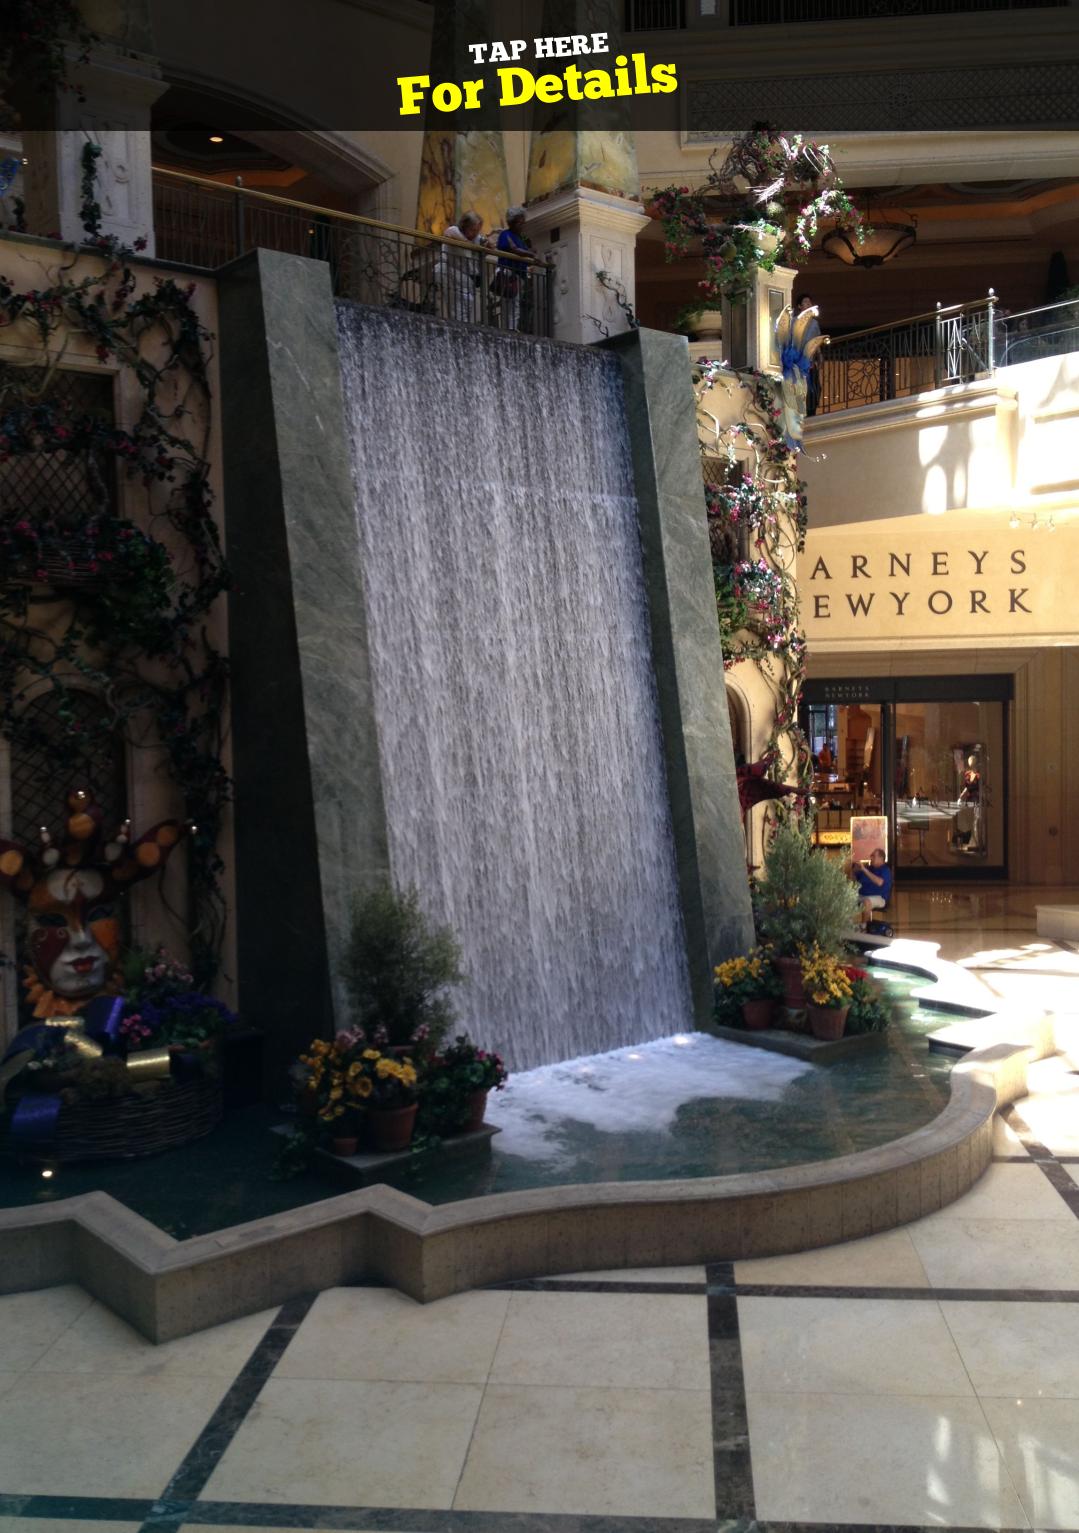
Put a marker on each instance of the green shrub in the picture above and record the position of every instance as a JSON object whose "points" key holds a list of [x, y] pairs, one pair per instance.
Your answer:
{"points": [[803, 897], [398, 967]]}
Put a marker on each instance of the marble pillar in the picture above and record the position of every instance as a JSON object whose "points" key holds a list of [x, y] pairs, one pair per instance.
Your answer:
{"points": [[310, 821], [590, 237], [687, 655], [119, 88], [749, 328]]}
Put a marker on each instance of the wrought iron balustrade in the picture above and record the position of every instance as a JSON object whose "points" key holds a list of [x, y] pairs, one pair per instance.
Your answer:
{"points": [[952, 345], [201, 224], [655, 15], [763, 13]]}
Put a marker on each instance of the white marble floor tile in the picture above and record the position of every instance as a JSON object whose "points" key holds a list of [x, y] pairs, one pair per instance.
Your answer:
{"points": [[887, 1260], [1073, 1172], [1053, 1116], [378, 1333], [1008, 1192], [1005, 1140], [110, 1435], [31, 1322], [836, 1459], [1018, 1350], [636, 1275], [1039, 1439], [998, 1253], [612, 1452], [100, 1342], [640, 1341], [835, 1346], [344, 1442]]}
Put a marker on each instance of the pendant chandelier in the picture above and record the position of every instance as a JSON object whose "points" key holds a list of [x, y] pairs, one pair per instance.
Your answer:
{"points": [[883, 242]]}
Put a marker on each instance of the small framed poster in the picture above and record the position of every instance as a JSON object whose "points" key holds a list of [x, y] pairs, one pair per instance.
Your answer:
{"points": [[868, 833]]}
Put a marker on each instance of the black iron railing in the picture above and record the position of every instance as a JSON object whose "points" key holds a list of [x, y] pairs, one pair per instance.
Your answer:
{"points": [[764, 13], [201, 224], [952, 345], [655, 15]]}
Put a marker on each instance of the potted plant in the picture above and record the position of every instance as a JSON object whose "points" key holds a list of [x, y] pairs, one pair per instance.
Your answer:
{"points": [[828, 994], [751, 988], [454, 1091], [398, 967], [333, 1091], [701, 320], [803, 899], [869, 1010], [389, 1086]]}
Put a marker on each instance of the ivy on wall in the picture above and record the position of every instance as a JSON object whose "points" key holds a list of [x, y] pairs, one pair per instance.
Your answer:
{"points": [[760, 507], [90, 599]]}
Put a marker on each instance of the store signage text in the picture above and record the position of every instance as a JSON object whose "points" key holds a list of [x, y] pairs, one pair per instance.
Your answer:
{"points": [[934, 565]]}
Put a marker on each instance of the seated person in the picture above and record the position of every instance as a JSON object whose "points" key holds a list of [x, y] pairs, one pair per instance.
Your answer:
{"points": [[874, 880]]}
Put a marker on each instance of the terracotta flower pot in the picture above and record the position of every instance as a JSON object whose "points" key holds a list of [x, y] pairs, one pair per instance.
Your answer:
{"points": [[790, 972], [477, 1110], [827, 1022], [345, 1146], [391, 1128], [757, 1014]]}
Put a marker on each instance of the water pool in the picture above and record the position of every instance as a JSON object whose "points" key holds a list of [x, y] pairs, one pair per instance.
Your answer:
{"points": [[698, 1106]]}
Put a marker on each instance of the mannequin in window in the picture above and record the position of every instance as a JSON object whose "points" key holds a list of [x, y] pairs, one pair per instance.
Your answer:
{"points": [[971, 794]]}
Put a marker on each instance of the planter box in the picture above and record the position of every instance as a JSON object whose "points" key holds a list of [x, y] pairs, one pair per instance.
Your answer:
{"points": [[366, 1168], [803, 1045]]}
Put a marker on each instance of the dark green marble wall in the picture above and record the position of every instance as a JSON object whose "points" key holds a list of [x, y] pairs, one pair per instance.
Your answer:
{"points": [[309, 820], [688, 656]]}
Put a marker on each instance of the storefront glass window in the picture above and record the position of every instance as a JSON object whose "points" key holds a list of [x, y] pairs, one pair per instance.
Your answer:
{"points": [[948, 778]]}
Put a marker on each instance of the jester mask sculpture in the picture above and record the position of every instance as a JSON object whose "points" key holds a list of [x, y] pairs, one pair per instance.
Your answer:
{"points": [[798, 340], [70, 891]]}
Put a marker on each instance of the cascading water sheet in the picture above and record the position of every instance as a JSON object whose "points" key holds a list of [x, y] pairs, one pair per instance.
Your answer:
{"points": [[514, 694]]}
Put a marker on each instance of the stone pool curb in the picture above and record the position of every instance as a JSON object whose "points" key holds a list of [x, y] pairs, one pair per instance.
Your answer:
{"points": [[167, 1288]]}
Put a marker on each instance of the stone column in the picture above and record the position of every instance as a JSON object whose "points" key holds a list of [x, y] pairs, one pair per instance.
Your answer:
{"points": [[119, 90], [586, 232], [749, 329]]}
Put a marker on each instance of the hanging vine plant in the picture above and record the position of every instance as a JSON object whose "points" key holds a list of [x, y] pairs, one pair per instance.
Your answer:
{"points": [[34, 49], [90, 598], [756, 597]]}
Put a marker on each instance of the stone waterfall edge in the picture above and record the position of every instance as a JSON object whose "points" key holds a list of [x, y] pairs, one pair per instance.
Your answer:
{"points": [[167, 1288]]}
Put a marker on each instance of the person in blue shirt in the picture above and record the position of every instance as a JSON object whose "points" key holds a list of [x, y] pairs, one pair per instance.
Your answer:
{"points": [[511, 275], [874, 881]]}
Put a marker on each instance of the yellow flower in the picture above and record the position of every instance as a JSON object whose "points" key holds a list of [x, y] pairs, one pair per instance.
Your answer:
{"points": [[371, 1054], [364, 1086]]}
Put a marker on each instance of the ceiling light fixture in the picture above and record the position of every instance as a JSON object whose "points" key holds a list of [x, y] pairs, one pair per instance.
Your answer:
{"points": [[883, 242], [216, 138]]}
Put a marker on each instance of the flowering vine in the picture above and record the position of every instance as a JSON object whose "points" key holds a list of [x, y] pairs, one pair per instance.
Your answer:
{"points": [[757, 517], [90, 600]]}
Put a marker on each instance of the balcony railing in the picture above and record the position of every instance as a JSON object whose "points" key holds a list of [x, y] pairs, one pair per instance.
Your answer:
{"points": [[655, 15], [952, 345], [1050, 331], [770, 13], [201, 224]]}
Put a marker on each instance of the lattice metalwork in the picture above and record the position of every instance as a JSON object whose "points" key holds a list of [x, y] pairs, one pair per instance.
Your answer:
{"points": [[55, 485], [80, 752], [655, 15], [751, 13], [896, 361]]}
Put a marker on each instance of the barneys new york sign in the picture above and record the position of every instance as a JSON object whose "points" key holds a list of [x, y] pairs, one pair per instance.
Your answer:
{"points": [[882, 585]]}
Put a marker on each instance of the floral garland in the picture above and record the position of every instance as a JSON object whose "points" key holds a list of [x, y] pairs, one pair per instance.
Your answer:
{"points": [[135, 608], [771, 183], [756, 597], [33, 49]]}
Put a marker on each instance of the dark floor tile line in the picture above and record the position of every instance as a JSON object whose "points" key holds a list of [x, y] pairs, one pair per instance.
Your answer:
{"points": [[403, 1520], [1051, 1166], [585, 1285], [732, 1464], [80, 1508], [924, 1295], [212, 1442]]}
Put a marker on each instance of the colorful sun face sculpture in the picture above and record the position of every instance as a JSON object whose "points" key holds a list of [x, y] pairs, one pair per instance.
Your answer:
{"points": [[71, 892]]}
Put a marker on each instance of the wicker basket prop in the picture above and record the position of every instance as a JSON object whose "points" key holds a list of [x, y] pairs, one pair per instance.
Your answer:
{"points": [[125, 1128]]}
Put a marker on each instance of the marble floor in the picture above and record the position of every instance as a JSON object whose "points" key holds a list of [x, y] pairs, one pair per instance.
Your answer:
{"points": [[927, 1378]]}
